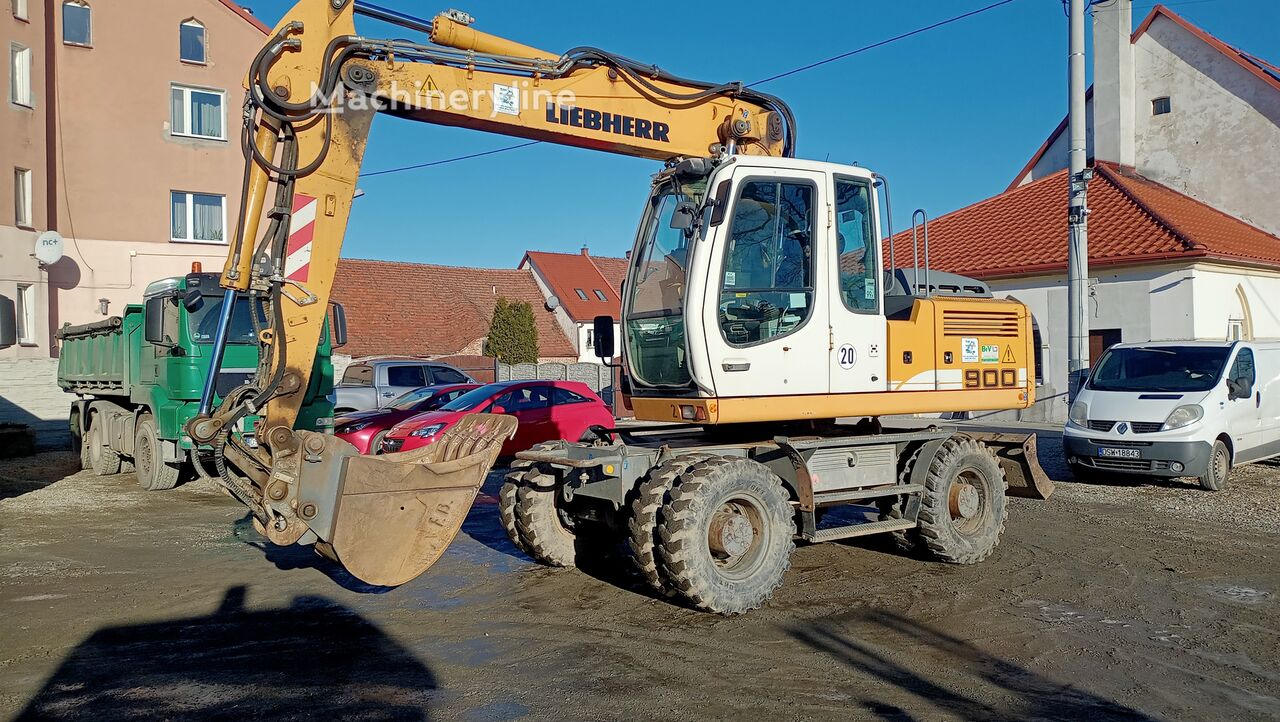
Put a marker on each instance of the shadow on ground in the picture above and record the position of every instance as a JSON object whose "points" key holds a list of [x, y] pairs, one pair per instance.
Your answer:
{"points": [[848, 639], [314, 659], [26, 474], [297, 556]]}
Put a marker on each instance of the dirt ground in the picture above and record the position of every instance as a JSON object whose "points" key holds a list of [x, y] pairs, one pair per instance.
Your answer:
{"points": [[1106, 602]]}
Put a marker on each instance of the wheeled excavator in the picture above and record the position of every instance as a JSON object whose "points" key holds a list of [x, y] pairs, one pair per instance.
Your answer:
{"points": [[757, 311]]}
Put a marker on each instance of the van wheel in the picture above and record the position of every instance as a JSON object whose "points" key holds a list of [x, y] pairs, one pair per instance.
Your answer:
{"points": [[102, 458], [153, 473], [1215, 476]]}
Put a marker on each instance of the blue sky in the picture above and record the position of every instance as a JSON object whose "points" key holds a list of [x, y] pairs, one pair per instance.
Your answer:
{"points": [[949, 115]]}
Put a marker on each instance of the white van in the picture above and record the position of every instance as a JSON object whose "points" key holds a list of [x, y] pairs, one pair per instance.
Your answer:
{"points": [[1177, 408]]}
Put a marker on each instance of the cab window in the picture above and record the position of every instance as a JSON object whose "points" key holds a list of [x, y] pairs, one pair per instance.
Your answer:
{"points": [[1242, 375], [856, 246], [405, 376], [446, 375], [358, 375], [525, 399], [766, 289]]}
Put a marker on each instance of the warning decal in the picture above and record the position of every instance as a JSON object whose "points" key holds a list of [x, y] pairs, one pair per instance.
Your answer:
{"points": [[1008, 355]]}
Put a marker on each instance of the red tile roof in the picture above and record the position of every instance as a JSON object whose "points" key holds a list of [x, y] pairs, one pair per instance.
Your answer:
{"points": [[1132, 220], [1255, 65], [248, 16], [568, 273], [426, 310]]}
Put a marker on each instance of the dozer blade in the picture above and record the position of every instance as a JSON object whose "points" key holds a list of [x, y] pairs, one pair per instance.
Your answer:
{"points": [[1017, 454], [388, 518]]}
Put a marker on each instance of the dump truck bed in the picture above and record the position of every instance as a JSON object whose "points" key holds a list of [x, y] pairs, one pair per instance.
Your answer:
{"points": [[95, 358]]}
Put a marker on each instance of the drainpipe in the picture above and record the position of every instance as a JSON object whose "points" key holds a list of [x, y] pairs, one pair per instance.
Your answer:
{"points": [[51, 114], [1077, 212]]}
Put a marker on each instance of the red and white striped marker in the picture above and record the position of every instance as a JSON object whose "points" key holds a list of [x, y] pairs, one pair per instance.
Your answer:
{"points": [[302, 229]]}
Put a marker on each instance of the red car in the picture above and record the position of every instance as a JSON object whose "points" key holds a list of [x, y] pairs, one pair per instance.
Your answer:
{"points": [[365, 429], [547, 410]]}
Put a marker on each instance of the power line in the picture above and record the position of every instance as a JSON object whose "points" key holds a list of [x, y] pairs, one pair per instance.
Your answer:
{"points": [[769, 79], [882, 43]]}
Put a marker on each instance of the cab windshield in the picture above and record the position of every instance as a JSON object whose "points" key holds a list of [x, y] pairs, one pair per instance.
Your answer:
{"points": [[655, 303], [474, 397], [408, 401], [1160, 368], [204, 320]]}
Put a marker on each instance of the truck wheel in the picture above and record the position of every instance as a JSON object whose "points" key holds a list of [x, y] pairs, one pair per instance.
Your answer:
{"points": [[962, 510], [102, 458], [1215, 476], [511, 484], [153, 473], [646, 511], [538, 523], [725, 536], [80, 441]]}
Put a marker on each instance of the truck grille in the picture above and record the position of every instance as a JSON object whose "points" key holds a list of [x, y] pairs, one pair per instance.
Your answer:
{"points": [[229, 379], [980, 323]]}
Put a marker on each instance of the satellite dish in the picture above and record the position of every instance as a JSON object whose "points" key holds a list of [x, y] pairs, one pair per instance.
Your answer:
{"points": [[553, 302], [48, 248]]}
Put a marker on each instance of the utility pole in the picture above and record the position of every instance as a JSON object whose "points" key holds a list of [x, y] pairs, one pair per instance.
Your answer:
{"points": [[1077, 213]]}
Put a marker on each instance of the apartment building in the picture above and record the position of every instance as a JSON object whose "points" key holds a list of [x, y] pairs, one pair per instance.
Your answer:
{"points": [[120, 131]]}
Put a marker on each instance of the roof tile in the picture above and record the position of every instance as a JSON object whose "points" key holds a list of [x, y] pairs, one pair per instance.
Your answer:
{"points": [[568, 273]]}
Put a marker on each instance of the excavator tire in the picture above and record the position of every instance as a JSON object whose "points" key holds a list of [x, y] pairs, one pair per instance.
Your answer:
{"points": [[646, 510], [102, 458], [962, 509], [725, 535], [538, 523], [507, 497]]}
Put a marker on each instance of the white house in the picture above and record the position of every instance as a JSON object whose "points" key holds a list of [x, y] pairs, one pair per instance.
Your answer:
{"points": [[1185, 146], [577, 288]]}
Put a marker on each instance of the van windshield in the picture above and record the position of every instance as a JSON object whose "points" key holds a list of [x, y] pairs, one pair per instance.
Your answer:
{"points": [[1160, 368]]}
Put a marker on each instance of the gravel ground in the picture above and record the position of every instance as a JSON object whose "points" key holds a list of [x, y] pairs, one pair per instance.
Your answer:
{"points": [[1105, 602]]}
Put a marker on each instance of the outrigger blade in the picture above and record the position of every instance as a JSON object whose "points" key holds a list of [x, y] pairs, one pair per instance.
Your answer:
{"points": [[388, 518], [1022, 470]]}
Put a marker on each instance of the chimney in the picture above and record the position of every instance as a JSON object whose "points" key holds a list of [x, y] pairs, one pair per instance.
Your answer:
{"points": [[1113, 92], [584, 250]]}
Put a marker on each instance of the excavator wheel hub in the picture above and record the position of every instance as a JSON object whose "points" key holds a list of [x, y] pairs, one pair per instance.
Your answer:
{"points": [[965, 500]]}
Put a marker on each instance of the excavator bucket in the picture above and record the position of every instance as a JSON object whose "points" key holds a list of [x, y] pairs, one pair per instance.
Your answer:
{"points": [[1017, 455], [386, 519]]}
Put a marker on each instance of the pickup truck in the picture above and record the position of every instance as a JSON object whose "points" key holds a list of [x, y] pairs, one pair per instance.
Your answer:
{"points": [[138, 377], [373, 383]]}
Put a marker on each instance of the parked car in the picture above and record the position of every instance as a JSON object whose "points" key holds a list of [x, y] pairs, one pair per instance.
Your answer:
{"points": [[366, 429], [1177, 409], [374, 383], [547, 410]]}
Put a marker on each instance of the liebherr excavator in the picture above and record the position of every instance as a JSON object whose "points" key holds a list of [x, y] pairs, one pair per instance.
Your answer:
{"points": [[756, 312]]}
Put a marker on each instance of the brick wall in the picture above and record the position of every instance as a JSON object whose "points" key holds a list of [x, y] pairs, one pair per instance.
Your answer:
{"points": [[29, 394]]}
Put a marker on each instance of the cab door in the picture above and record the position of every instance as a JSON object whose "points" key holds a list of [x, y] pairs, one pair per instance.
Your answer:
{"points": [[1242, 409], [852, 289], [764, 320]]}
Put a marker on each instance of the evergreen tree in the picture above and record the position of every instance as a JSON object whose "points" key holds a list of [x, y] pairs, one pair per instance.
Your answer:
{"points": [[513, 337]]}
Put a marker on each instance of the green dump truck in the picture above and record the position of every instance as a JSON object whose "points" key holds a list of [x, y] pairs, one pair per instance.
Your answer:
{"points": [[137, 377]]}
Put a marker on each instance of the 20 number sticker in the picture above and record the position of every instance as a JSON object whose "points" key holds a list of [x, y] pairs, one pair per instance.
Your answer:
{"points": [[848, 356]]}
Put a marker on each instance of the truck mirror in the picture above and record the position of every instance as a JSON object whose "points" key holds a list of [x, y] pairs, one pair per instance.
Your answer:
{"points": [[337, 325], [193, 300], [603, 331], [8, 323], [682, 217], [153, 322]]}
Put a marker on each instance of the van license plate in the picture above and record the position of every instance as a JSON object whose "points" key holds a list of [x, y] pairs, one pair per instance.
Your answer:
{"points": [[1120, 453]]}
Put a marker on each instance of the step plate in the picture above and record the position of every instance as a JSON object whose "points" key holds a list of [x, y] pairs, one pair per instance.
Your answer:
{"points": [[827, 498], [853, 530]]}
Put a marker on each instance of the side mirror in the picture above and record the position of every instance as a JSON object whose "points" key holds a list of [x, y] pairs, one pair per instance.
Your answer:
{"points": [[497, 410], [192, 300], [682, 217], [1238, 390], [337, 325], [8, 323], [603, 332], [153, 323]]}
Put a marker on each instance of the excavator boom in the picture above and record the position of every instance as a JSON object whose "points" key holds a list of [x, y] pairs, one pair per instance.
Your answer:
{"points": [[312, 93]]}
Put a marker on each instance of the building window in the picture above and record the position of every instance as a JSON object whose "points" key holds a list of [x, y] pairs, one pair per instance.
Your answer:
{"points": [[1160, 106], [22, 197], [591, 338], [20, 74], [26, 313], [77, 23], [600, 295], [20, 9], [197, 113], [191, 42], [581, 293], [198, 217]]}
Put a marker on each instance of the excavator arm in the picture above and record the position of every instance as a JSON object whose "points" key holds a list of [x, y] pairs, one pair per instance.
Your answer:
{"points": [[312, 93]]}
